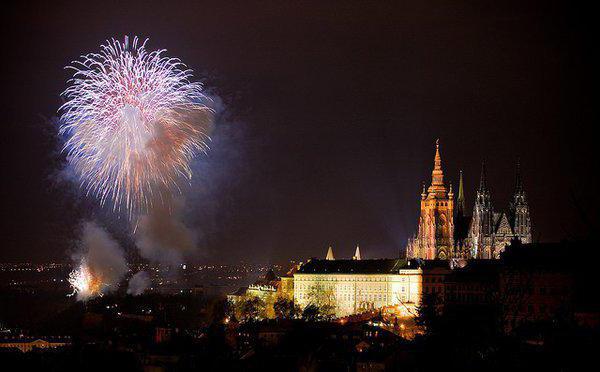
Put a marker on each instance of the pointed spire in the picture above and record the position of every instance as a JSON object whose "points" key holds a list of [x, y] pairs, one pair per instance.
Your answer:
{"points": [[437, 188], [357, 253], [518, 179], [461, 195], [438, 158], [483, 179], [437, 176], [330, 254]]}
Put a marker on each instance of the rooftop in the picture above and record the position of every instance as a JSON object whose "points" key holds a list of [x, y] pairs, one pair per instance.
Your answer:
{"points": [[380, 266]]}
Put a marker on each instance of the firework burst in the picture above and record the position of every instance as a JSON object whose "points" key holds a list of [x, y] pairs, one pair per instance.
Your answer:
{"points": [[85, 283], [133, 121]]}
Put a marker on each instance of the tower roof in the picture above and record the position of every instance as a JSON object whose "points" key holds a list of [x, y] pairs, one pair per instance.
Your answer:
{"points": [[518, 179], [461, 195], [437, 187], [330, 254], [483, 179], [357, 253]]}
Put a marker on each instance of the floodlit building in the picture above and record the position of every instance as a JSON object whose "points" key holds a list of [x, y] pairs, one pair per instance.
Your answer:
{"points": [[445, 232], [352, 286], [435, 234], [27, 344]]}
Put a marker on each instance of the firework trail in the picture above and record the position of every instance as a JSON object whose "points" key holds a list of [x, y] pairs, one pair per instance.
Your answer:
{"points": [[133, 121]]}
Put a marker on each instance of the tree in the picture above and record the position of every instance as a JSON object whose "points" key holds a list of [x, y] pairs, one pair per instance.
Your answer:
{"points": [[428, 314], [311, 313], [323, 299], [284, 308], [251, 309], [218, 310]]}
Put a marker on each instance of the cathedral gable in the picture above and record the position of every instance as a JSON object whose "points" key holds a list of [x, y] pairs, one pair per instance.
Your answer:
{"points": [[503, 227]]}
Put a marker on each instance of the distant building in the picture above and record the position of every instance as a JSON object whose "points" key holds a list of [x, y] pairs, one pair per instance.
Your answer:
{"points": [[529, 283], [267, 288], [27, 344], [446, 233]]}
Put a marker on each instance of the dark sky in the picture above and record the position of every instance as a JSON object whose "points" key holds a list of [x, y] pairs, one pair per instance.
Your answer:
{"points": [[332, 111]]}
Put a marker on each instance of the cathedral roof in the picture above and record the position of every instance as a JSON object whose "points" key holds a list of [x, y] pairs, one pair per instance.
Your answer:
{"points": [[380, 266], [437, 188]]}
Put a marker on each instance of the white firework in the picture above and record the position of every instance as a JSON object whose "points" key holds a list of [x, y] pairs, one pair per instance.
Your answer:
{"points": [[133, 121]]}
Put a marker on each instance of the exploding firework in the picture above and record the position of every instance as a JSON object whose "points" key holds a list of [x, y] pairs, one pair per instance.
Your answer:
{"points": [[100, 264], [85, 283], [133, 121]]}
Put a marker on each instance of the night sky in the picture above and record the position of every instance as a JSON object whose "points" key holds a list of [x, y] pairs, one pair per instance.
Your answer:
{"points": [[330, 117]]}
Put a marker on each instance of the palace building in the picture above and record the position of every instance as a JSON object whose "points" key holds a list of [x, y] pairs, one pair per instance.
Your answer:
{"points": [[445, 233], [352, 286]]}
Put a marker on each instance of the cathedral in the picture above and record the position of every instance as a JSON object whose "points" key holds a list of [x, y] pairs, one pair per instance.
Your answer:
{"points": [[446, 231]]}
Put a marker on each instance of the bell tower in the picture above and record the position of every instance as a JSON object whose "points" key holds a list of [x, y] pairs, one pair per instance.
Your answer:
{"points": [[435, 236], [482, 224], [519, 210]]}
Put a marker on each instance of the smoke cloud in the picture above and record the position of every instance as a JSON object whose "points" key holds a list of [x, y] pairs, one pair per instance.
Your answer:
{"points": [[139, 283], [162, 236], [101, 262]]}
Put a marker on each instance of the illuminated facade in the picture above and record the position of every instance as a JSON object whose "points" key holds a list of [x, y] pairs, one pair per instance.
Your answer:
{"points": [[29, 344], [355, 286], [490, 231], [435, 235], [267, 288], [445, 233]]}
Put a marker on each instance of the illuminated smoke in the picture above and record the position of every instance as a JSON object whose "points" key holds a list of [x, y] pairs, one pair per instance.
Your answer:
{"points": [[163, 237], [100, 263], [139, 283]]}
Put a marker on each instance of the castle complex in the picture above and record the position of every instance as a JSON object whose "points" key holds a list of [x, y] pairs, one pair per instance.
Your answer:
{"points": [[446, 232]]}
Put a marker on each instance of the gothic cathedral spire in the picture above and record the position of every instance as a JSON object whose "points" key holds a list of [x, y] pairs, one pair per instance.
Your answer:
{"points": [[519, 210], [482, 223], [435, 237], [437, 188], [460, 201], [483, 178]]}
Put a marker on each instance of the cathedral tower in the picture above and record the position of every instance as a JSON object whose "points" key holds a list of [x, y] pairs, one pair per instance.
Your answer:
{"points": [[461, 223], [482, 224], [435, 236], [519, 210]]}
